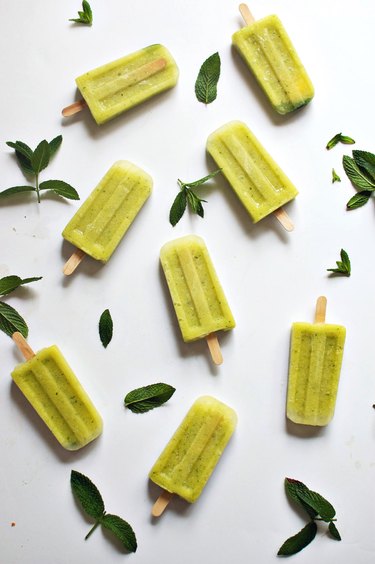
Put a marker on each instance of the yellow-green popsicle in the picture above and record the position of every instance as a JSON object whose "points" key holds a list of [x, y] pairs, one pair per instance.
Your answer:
{"points": [[199, 301], [257, 180], [103, 219], [316, 352], [49, 384], [120, 85], [188, 460], [269, 53]]}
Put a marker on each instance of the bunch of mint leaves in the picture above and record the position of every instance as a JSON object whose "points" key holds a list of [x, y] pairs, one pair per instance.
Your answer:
{"points": [[360, 169], [10, 320], [84, 16], [317, 508], [32, 163]]}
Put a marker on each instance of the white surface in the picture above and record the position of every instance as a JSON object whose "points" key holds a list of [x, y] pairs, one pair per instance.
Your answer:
{"points": [[271, 279]]}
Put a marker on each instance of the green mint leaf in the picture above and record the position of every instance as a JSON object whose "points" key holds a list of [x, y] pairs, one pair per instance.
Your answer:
{"points": [[299, 541], [339, 138], [178, 208], [85, 17], [195, 203], [335, 176], [365, 161], [23, 155], [208, 77], [54, 145], [201, 180], [87, 494], [334, 532], [355, 174], [11, 321], [121, 529], [359, 200], [343, 266], [292, 488], [105, 328], [61, 188], [16, 190], [40, 158], [147, 398], [10, 283]]}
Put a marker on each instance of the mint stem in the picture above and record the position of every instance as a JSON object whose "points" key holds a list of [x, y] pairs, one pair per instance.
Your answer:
{"points": [[92, 530], [37, 187]]}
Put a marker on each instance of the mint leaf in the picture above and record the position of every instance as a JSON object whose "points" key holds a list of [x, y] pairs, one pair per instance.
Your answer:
{"points": [[201, 181], [85, 17], [365, 161], [195, 203], [319, 504], [23, 154], [144, 399], [339, 138], [178, 208], [299, 541], [343, 266], [355, 174], [16, 190], [10, 283], [87, 494], [335, 176], [40, 157], [54, 145], [105, 328], [121, 529], [208, 77], [334, 532], [61, 188], [11, 321], [293, 488], [358, 200]]}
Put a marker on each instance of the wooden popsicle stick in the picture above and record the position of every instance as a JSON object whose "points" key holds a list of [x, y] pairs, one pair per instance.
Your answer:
{"points": [[74, 108], [320, 310], [23, 345], [246, 14], [161, 503], [214, 346], [284, 219], [72, 263]]}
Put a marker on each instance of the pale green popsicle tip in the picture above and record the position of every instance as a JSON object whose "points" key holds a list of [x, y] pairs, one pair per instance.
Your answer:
{"points": [[198, 298], [316, 353], [50, 385], [188, 460], [116, 87], [270, 55]]}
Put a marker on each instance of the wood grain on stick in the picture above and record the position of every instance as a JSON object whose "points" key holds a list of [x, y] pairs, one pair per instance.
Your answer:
{"points": [[74, 108], [214, 346], [23, 345], [320, 310], [72, 263], [161, 503], [246, 14], [283, 218]]}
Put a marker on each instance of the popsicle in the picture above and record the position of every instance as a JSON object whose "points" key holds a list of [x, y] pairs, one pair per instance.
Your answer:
{"points": [[269, 53], [122, 84], [316, 352], [49, 384], [103, 219], [188, 460], [258, 181], [198, 299]]}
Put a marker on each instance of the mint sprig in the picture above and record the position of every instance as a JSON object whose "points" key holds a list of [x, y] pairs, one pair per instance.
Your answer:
{"points": [[343, 265], [148, 397], [10, 283], [207, 79], [335, 176], [317, 508], [339, 138], [105, 328], [32, 163], [92, 503], [84, 16], [186, 197], [360, 169], [10, 320]]}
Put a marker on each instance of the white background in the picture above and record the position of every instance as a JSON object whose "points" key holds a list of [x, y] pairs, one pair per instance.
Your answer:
{"points": [[271, 279]]}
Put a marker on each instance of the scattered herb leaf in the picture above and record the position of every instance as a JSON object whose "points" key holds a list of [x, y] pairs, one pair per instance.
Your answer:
{"points": [[105, 328], [334, 532], [299, 541], [32, 163], [187, 197], [11, 321], [343, 265], [357, 175], [10, 283], [359, 199], [92, 502], [147, 398], [339, 138], [366, 161], [208, 77], [335, 176], [84, 17]]}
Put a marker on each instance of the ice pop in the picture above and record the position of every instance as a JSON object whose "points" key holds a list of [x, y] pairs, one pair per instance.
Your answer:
{"points": [[105, 216], [122, 84], [49, 384], [316, 352], [191, 455], [269, 53], [198, 299], [258, 181]]}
